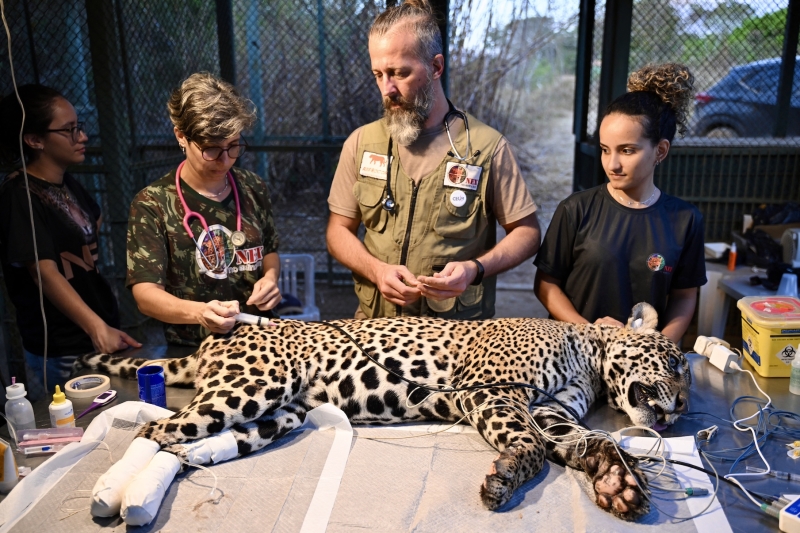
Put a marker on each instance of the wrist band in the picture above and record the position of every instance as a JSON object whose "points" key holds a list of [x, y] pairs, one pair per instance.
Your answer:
{"points": [[479, 275]]}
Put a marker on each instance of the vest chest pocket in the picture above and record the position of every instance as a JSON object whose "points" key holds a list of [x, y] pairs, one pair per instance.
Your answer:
{"points": [[458, 221], [369, 197]]}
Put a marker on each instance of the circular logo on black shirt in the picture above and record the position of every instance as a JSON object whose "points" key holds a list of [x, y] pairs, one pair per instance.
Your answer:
{"points": [[655, 262]]}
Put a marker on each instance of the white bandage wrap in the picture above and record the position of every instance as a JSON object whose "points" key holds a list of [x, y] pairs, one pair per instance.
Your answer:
{"points": [[216, 449], [110, 487], [146, 491]]}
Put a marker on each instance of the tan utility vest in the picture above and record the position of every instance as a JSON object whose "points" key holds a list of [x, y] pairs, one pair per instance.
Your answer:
{"points": [[433, 223]]}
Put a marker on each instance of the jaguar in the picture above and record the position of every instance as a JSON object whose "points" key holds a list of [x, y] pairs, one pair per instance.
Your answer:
{"points": [[522, 383]]}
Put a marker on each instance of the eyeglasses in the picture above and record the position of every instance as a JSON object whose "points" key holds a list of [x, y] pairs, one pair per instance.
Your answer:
{"points": [[73, 131], [212, 153]]}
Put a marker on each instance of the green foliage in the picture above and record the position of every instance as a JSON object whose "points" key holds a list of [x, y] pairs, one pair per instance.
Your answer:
{"points": [[758, 37], [708, 40]]}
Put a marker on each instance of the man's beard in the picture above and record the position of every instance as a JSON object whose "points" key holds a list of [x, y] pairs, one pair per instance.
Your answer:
{"points": [[405, 122]]}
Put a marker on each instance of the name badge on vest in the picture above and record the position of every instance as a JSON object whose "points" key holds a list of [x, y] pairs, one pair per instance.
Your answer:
{"points": [[374, 165], [462, 176]]}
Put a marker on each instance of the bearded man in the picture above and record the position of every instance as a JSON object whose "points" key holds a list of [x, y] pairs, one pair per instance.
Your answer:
{"points": [[430, 206]]}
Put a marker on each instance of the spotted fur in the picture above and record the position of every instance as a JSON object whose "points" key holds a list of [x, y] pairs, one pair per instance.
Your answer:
{"points": [[259, 382]]}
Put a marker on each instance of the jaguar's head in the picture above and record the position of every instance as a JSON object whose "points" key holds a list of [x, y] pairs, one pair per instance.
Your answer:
{"points": [[646, 373]]}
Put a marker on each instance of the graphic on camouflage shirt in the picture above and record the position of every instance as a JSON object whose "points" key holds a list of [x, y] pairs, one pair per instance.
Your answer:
{"points": [[217, 253], [161, 251]]}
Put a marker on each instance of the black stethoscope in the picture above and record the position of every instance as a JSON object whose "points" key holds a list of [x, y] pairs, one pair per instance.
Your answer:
{"points": [[237, 237], [388, 202]]}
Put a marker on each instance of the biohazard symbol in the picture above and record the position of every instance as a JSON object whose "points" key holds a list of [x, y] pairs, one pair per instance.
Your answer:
{"points": [[787, 354]]}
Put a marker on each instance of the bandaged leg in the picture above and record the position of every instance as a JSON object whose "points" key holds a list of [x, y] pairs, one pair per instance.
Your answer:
{"points": [[214, 449], [110, 488], [146, 491]]}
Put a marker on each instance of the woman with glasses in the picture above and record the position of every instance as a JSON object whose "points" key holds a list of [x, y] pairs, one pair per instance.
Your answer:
{"points": [[202, 245], [80, 309]]}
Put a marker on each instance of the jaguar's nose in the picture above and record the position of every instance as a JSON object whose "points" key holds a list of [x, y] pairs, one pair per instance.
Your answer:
{"points": [[681, 404]]}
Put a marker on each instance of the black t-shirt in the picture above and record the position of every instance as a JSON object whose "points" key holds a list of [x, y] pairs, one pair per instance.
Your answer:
{"points": [[65, 217], [609, 257]]}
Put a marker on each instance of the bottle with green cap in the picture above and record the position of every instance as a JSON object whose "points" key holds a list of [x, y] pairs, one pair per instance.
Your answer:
{"points": [[61, 413]]}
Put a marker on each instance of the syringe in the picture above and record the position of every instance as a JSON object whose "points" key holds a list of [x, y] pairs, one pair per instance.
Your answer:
{"points": [[247, 318], [787, 476]]}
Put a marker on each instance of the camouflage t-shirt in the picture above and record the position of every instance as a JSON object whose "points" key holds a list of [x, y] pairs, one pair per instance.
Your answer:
{"points": [[161, 251]]}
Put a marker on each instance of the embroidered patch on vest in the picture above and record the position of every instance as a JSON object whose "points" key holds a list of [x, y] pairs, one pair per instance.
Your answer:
{"points": [[462, 176], [655, 262], [374, 165]]}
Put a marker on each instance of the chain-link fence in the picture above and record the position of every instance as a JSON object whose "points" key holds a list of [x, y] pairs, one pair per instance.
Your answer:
{"points": [[304, 64], [742, 148], [734, 50]]}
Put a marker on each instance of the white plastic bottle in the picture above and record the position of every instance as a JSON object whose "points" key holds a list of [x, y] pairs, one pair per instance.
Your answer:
{"points": [[61, 413], [794, 379], [19, 410]]}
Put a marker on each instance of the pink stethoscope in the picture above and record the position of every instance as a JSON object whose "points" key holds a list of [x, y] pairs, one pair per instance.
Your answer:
{"points": [[237, 237]]}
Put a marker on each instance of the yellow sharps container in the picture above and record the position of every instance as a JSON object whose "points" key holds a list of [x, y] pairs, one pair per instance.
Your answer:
{"points": [[770, 333]]}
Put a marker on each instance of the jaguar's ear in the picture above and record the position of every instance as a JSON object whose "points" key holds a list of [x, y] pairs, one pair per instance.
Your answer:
{"points": [[643, 318]]}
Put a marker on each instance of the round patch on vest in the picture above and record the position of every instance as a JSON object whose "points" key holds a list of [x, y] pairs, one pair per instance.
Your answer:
{"points": [[458, 198], [457, 174], [655, 262]]}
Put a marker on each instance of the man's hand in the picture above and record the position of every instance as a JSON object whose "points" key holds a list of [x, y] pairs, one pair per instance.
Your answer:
{"points": [[454, 279], [266, 294], [218, 316], [397, 284], [109, 340], [608, 321]]}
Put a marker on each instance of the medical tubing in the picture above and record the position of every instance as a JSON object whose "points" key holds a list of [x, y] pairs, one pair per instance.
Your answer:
{"points": [[520, 385], [27, 188], [502, 384], [537, 389]]}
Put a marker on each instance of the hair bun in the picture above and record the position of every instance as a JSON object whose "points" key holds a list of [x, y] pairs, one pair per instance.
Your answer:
{"points": [[672, 82], [422, 5]]}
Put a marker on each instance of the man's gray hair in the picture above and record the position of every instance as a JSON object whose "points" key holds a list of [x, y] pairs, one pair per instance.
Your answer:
{"points": [[417, 17]]}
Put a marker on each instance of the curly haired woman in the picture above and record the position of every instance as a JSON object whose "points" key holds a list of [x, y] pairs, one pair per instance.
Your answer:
{"points": [[202, 244], [625, 241]]}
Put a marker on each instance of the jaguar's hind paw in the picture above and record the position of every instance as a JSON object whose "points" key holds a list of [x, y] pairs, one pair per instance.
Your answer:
{"points": [[616, 489]]}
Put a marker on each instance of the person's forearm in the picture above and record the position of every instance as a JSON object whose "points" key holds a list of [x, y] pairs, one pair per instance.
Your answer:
{"points": [[271, 266], [555, 301], [679, 312], [346, 248], [157, 303], [520, 243], [65, 298]]}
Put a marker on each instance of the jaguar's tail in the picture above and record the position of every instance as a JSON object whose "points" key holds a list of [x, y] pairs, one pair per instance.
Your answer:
{"points": [[180, 372]]}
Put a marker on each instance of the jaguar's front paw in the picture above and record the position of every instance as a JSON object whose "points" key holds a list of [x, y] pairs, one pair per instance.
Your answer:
{"points": [[499, 485], [617, 488]]}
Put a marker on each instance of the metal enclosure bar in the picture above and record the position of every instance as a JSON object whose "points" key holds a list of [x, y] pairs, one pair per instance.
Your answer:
{"points": [[583, 72], [115, 131], [788, 67], [616, 49], [442, 10], [227, 43]]}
